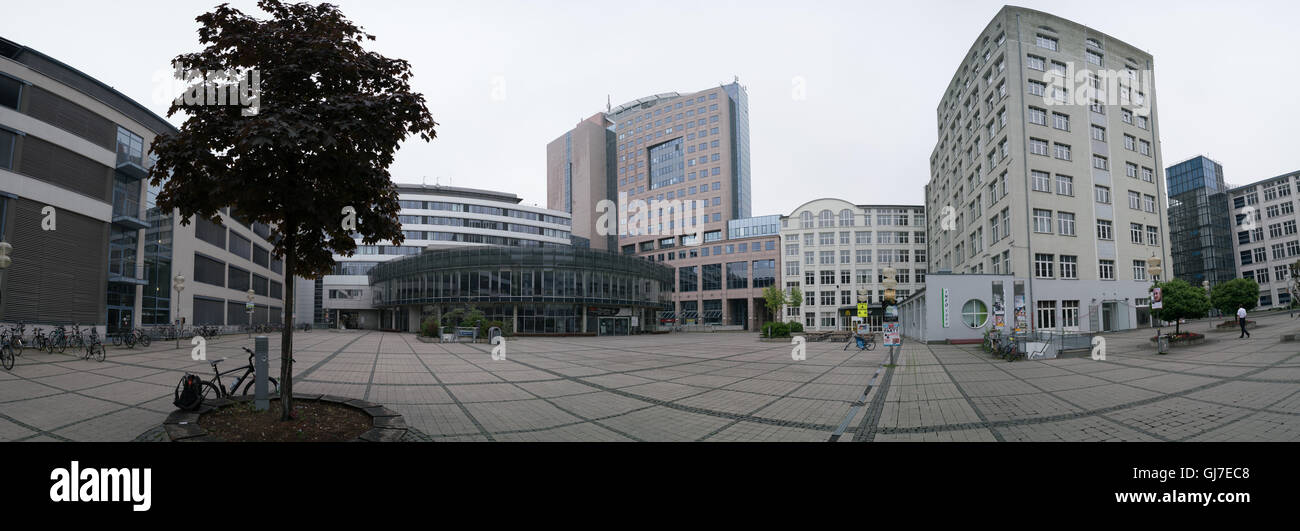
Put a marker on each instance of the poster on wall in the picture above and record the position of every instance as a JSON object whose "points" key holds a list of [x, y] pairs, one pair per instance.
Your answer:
{"points": [[1022, 320]]}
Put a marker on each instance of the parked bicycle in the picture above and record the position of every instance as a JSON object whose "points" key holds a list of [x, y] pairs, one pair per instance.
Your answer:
{"points": [[862, 341], [135, 336], [214, 388], [16, 334], [94, 348], [208, 331], [39, 339], [58, 340], [6, 351], [75, 339]]}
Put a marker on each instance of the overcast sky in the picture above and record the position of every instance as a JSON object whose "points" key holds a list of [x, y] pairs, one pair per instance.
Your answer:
{"points": [[1226, 74]]}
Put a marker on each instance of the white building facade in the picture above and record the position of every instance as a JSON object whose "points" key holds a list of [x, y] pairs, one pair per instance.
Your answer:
{"points": [[831, 248], [1268, 241]]}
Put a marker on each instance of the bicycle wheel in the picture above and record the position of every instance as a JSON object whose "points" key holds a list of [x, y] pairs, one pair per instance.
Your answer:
{"points": [[871, 345], [62, 345], [17, 345], [210, 391], [144, 340], [117, 340], [97, 351], [272, 388], [7, 357]]}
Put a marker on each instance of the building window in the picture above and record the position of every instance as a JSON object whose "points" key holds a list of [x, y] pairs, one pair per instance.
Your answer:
{"points": [[1064, 185], [1061, 121], [1069, 267], [1106, 269], [1139, 270], [1102, 194], [1047, 42], [1043, 264], [1105, 230], [1042, 181], [1046, 314], [1042, 220], [1065, 221], [974, 313], [1037, 116]]}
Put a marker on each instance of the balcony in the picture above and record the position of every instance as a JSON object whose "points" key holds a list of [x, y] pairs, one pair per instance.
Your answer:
{"points": [[126, 273], [126, 213], [131, 170]]}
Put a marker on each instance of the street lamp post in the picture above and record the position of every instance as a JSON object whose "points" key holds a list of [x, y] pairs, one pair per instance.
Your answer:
{"points": [[889, 282], [178, 284], [248, 308], [1205, 284]]}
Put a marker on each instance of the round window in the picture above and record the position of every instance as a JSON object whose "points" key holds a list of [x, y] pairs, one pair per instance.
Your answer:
{"points": [[974, 313]]}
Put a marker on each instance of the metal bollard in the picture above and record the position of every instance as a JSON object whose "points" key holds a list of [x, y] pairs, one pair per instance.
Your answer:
{"points": [[260, 402]]}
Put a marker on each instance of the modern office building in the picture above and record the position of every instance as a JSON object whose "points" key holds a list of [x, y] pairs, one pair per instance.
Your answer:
{"points": [[1267, 241], [831, 248], [432, 217], [580, 173], [1053, 182], [1200, 229], [721, 282], [677, 167], [552, 290], [89, 246]]}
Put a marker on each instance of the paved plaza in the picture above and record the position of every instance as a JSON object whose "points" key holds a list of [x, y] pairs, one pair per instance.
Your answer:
{"points": [[708, 387]]}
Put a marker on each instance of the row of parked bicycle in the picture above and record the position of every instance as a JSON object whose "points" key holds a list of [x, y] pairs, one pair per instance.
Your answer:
{"points": [[14, 340]]}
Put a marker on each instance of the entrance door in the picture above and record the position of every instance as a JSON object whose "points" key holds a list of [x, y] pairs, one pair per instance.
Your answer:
{"points": [[1108, 316], [614, 326]]}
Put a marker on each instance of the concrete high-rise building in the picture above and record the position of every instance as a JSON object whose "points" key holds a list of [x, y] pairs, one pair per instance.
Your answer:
{"points": [[579, 174], [1267, 240], [1200, 230], [1047, 169], [677, 167]]}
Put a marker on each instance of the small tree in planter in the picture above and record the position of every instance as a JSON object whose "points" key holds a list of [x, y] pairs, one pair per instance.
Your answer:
{"points": [[774, 299], [1238, 292], [1181, 301]]}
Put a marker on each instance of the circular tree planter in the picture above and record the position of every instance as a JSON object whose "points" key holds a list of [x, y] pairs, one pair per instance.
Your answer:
{"points": [[386, 425], [1185, 340]]}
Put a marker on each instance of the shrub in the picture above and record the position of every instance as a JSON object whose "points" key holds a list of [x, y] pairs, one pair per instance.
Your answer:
{"points": [[429, 328], [795, 326], [781, 330]]}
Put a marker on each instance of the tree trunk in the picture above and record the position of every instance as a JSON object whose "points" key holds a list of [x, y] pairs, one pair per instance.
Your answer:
{"points": [[286, 339]]}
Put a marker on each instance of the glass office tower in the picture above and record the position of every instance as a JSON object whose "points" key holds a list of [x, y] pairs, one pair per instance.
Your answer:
{"points": [[1199, 222]]}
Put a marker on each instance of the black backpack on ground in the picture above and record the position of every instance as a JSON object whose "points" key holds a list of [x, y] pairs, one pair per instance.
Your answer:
{"points": [[189, 393]]}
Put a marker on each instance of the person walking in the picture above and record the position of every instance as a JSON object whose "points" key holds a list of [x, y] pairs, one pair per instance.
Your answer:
{"points": [[1241, 319]]}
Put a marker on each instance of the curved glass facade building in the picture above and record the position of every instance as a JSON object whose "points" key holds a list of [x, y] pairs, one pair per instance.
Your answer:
{"points": [[538, 290]]}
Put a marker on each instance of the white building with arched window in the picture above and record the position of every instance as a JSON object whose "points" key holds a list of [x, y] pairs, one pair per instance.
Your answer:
{"points": [[831, 248]]}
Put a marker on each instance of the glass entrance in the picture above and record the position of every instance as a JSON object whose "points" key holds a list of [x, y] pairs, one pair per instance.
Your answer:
{"points": [[614, 326], [1108, 316]]}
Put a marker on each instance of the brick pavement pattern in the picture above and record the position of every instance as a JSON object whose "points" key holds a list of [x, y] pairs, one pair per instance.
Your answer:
{"points": [[708, 387]]}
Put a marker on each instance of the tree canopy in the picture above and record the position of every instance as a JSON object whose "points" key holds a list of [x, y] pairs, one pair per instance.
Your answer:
{"points": [[1238, 292], [330, 117], [1181, 300]]}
